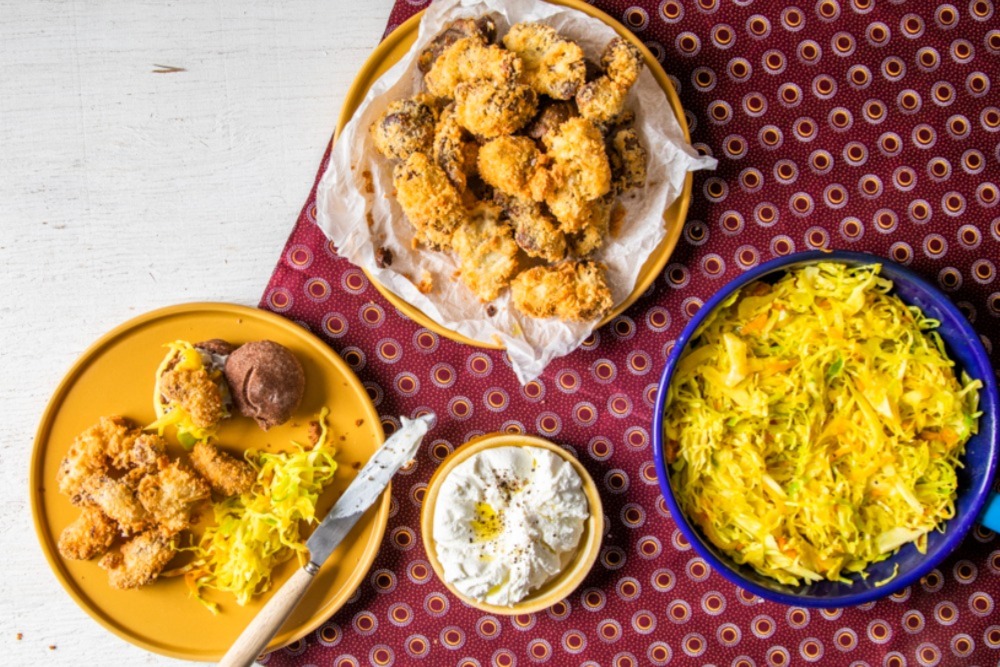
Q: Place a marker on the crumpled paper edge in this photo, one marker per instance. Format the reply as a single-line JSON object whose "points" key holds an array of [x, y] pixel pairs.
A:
{"points": [[356, 211]]}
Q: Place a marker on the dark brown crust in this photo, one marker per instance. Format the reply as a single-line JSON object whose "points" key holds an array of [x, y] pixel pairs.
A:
{"points": [[216, 346]]}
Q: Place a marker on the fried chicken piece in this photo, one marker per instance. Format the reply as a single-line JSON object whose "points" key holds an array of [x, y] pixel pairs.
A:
{"points": [[622, 61], [118, 501], [627, 158], [170, 495], [570, 290], [580, 172], [429, 200], [90, 535], [455, 150], [405, 127], [515, 167], [490, 110], [487, 252], [535, 231], [553, 66], [196, 392], [484, 29], [227, 475], [88, 455], [551, 116], [470, 60], [594, 229], [140, 560]]}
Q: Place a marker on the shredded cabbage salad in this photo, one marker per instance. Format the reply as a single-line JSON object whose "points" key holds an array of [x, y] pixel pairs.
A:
{"points": [[814, 426], [172, 413], [259, 530]]}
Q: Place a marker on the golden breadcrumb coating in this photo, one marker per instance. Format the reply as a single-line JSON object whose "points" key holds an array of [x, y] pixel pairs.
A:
{"points": [[490, 110], [553, 66], [405, 127], [88, 455], [196, 392], [455, 150], [594, 229], [550, 116], [469, 60], [602, 100], [170, 495], [535, 231], [570, 290], [484, 29], [430, 201], [487, 252], [580, 171], [515, 167], [628, 160], [140, 560], [622, 61], [227, 475], [118, 502], [90, 535]]}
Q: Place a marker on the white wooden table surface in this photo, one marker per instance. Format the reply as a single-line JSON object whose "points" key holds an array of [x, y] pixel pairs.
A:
{"points": [[126, 186]]}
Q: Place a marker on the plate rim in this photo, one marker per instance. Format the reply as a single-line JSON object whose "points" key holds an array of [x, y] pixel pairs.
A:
{"points": [[654, 264], [37, 483]]}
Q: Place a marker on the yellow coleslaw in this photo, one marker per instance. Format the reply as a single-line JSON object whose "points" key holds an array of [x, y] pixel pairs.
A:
{"points": [[814, 425], [258, 530]]}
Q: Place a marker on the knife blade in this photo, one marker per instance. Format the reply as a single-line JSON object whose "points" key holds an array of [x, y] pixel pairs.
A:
{"points": [[366, 487]]}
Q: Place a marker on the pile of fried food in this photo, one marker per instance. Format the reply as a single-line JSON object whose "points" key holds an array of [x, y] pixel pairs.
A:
{"points": [[126, 484], [514, 158]]}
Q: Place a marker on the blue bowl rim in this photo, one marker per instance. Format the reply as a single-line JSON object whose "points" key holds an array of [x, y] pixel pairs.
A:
{"points": [[988, 402]]}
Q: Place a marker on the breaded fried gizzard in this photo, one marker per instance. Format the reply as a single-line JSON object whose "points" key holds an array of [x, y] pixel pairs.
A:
{"points": [[455, 150], [570, 290], [487, 252], [430, 201], [90, 535], [490, 110], [170, 495], [535, 231], [469, 60], [514, 166], [553, 66], [227, 475], [405, 127], [140, 560], [580, 171], [484, 29]]}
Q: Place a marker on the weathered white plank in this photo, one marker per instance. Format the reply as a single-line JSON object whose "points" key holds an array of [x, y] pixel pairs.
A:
{"points": [[122, 190]]}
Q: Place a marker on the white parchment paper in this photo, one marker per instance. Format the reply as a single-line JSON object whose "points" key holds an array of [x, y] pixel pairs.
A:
{"points": [[358, 213]]}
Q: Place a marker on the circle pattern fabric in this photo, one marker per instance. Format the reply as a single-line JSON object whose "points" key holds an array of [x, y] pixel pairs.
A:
{"points": [[865, 125]]}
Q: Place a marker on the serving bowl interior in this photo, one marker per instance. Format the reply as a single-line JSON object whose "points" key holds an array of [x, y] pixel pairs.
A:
{"points": [[974, 478], [578, 567]]}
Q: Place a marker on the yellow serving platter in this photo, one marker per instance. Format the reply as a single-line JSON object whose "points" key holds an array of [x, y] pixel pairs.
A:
{"points": [[115, 376], [395, 46]]}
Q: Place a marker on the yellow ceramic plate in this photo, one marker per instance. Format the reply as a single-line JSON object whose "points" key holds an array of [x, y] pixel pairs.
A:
{"points": [[395, 46], [115, 376], [576, 570]]}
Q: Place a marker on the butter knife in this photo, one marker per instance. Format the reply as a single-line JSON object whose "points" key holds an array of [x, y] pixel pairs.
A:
{"points": [[359, 496]]}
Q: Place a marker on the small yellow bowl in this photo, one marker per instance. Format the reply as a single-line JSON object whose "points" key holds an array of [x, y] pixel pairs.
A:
{"points": [[575, 571]]}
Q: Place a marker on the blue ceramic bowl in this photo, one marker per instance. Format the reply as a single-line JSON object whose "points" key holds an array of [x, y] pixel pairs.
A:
{"points": [[963, 346]]}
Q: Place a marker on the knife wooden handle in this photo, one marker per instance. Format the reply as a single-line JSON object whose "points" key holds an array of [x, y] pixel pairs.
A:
{"points": [[269, 620]]}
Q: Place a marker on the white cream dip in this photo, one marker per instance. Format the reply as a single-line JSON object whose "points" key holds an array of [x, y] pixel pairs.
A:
{"points": [[506, 521]]}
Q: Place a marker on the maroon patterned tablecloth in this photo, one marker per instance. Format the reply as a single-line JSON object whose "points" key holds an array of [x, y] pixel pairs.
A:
{"points": [[856, 124]]}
